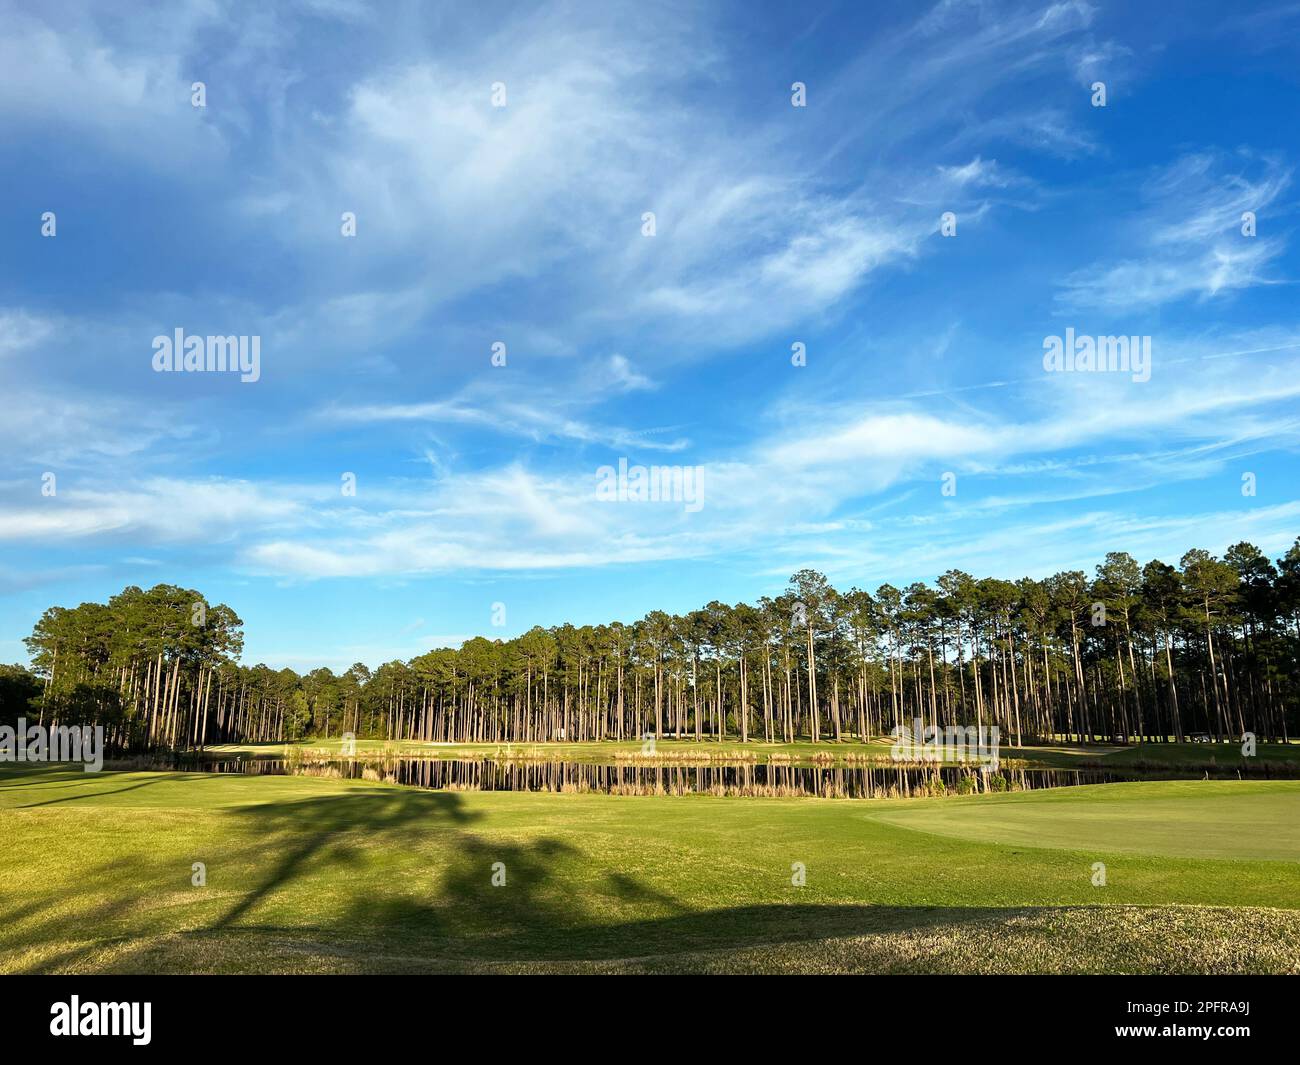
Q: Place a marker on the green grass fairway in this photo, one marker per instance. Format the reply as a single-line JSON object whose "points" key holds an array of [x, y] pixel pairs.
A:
{"points": [[1175, 757], [1186, 819], [1198, 754], [317, 875]]}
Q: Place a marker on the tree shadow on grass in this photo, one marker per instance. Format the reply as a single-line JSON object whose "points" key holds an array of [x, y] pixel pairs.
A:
{"points": [[93, 795], [388, 878], [270, 849], [331, 833], [32, 778]]}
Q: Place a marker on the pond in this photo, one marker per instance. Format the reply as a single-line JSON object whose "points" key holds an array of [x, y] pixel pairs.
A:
{"points": [[746, 779]]}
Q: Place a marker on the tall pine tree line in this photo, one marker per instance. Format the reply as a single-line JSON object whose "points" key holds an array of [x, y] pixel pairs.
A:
{"points": [[1135, 652]]}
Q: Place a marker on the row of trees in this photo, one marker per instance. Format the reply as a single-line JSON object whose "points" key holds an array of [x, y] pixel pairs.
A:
{"points": [[1136, 652]]}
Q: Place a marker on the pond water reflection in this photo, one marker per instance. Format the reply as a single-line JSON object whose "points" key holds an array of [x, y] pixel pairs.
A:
{"points": [[745, 779]]}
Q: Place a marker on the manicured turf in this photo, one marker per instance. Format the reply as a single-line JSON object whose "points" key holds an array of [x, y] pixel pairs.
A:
{"points": [[1196, 754], [308, 874], [1186, 819]]}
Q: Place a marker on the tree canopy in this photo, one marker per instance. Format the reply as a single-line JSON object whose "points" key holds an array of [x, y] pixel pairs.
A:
{"points": [[1134, 651]]}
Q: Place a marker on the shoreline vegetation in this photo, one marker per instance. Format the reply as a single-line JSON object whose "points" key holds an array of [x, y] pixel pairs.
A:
{"points": [[1168, 752], [857, 772]]}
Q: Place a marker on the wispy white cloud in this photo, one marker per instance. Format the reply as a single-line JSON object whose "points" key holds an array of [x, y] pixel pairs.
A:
{"points": [[624, 377], [1188, 229], [158, 510], [785, 489], [517, 417], [20, 331], [127, 95]]}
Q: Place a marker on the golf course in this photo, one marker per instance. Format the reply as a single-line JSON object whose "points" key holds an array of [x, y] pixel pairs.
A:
{"points": [[123, 872]]}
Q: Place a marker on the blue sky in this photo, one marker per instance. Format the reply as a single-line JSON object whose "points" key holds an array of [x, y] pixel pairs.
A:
{"points": [[522, 224]]}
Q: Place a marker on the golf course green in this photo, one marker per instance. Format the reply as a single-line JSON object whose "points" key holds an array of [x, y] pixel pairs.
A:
{"points": [[98, 874]]}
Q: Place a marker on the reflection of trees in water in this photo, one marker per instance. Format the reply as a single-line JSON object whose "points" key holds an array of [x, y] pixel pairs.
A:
{"points": [[832, 782]]}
